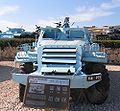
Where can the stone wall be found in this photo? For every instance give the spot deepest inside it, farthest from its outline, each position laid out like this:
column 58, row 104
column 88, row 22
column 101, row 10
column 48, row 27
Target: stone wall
column 113, row 55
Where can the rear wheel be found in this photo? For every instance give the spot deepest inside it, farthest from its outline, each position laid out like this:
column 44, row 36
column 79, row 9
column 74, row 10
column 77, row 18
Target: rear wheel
column 98, row 93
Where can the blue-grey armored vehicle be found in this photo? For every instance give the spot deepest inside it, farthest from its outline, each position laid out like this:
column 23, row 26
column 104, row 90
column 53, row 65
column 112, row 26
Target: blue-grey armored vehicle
column 12, row 32
column 65, row 52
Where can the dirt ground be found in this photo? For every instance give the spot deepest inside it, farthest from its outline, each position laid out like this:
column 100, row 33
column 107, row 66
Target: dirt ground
column 9, row 92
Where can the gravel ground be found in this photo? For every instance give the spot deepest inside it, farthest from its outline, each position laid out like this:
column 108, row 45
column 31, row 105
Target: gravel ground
column 9, row 92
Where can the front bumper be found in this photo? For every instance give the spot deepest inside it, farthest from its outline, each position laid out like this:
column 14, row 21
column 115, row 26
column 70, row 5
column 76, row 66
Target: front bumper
column 76, row 81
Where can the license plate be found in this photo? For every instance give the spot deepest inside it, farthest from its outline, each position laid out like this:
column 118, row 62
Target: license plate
column 94, row 77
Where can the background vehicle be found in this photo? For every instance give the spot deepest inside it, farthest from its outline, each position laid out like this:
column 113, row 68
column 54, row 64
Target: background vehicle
column 12, row 32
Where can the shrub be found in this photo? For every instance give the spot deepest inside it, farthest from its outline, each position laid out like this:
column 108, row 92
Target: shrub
column 8, row 53
column 109, row 43
column 14, row 42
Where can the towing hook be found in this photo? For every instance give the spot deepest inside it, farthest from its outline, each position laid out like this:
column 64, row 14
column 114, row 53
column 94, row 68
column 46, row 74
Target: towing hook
column 69, row 72
column 54, row 71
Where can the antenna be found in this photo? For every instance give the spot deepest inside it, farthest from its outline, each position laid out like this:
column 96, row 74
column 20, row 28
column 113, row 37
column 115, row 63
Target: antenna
column 72, row 23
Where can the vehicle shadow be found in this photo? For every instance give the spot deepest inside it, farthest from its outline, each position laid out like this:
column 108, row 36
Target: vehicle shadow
column 114, row 86
column 5, row 73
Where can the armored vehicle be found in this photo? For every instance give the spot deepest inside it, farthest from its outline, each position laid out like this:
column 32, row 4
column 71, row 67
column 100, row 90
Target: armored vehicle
column 65, row 52
column 12, row 32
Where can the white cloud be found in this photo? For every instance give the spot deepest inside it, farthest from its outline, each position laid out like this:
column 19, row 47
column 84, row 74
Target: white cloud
column 90, row 13
column 47, row 22
column 29, row 27
column 4, row 24
column 8, row 9
column 86, row 13
column 111, row 5
column 4, row 10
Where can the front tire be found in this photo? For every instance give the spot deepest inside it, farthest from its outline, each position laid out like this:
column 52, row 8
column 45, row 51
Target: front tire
column 27, row 67
column 98, row 93
column 21, row 92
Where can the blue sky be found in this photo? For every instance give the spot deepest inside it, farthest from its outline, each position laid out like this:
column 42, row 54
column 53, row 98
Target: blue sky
column 27, row 13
